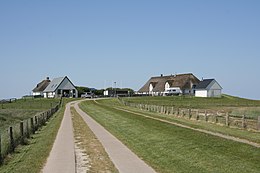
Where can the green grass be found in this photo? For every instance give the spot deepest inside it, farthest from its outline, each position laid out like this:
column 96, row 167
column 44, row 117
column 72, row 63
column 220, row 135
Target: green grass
column 168, row 148
column 31, row 157
column 235, row 105
column 12, row 113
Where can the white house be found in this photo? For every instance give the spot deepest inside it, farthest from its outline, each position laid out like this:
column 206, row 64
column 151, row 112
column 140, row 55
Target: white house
column 208, row 88
column 60, row 87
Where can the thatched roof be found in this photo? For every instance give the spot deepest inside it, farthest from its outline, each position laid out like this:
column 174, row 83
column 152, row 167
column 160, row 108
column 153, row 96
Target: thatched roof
column 40, row 87
column 184, row 81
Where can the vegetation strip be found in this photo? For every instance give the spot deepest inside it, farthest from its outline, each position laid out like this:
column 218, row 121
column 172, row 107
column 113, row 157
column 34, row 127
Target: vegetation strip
column 199, row 130
column 96, row 158
column 169, row 148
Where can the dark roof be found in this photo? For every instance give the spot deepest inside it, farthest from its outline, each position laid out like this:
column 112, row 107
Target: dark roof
column 184, row 81
column 40, row 87
column 204, row 83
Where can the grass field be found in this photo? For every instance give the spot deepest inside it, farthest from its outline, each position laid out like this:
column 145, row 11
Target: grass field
column 31, row 157
column 12, row 113
column 235, row 105
column 168, row 148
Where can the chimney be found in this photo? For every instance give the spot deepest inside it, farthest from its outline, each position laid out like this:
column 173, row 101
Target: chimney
column 161, row 75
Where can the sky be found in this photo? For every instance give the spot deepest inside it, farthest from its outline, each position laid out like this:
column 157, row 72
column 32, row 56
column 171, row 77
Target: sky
column 97, row 43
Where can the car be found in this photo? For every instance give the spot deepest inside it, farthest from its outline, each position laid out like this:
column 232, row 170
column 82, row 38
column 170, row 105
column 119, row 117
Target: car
column 172, row 91
column 87, row 95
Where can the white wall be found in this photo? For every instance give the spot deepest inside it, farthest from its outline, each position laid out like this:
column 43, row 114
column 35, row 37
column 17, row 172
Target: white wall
column 201, row 93
column 214, row 93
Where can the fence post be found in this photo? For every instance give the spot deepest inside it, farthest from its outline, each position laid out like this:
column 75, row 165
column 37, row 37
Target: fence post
column 22, row 132
column 36, row 123
column 27, row 129
column 1, row 158
column 32, row 126
column 197, row 115
column 216, row 118
column 206, row 116
column 258, row 123
column 12, row 146
column 243, row 122
column 189, row 113
column 178, row 111
column 227, row 119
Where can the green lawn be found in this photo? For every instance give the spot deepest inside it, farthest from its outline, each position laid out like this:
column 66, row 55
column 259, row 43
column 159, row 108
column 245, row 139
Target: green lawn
column 168, row 148
column 235, row 105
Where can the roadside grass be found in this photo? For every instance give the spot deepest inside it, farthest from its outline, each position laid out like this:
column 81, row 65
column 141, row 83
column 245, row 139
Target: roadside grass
column 168, row 148
column 234, row 105
column 12, row 113
column 236, row 132
column 99, row 161
column 32, row 157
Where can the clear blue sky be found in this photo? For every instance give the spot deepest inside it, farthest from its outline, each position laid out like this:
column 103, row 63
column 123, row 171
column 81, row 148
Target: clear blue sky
column 97, row 42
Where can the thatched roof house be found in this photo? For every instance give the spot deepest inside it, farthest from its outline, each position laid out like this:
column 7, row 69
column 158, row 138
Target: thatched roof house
column 186, row 83
column 40, row 87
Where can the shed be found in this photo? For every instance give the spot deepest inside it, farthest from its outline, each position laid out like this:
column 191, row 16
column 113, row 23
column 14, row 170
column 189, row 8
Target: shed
column 60, row 87
column 208, row 88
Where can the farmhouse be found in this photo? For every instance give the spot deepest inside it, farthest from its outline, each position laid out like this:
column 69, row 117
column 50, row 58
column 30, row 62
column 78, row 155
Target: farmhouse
column 180, row 84
column 208, row 88
column 40, row 87
column 60, row 87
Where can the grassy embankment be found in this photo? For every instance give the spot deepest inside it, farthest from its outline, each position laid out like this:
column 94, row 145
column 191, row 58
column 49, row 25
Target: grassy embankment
column 240, row 133
column 31, row 157
column 12, row 113
column 168, row 148
column 97, row 159
column 234, row 105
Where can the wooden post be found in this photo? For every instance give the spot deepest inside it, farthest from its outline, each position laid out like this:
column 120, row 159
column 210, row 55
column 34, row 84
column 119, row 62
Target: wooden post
column 258, row 126
column 36, row 123
column 178, row 111
column 197, row 115
column 189, row 113
column 206, row 116
column 22, row 132
column 227, row 119
column 243, row 122
column 32, row 126
column 216, row 118
column 12, row 146
column 1, row 158
column 27, row 129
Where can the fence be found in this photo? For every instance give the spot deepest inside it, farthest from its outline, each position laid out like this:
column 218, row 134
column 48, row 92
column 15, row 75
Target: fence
column 211, row 116
column 18, row 133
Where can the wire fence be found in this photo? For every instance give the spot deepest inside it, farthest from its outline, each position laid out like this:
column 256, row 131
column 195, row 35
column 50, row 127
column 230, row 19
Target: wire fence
column 211, row 116
column 20, row 132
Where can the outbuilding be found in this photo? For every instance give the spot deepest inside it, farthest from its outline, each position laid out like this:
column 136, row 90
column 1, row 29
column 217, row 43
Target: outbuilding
column 208, row 88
